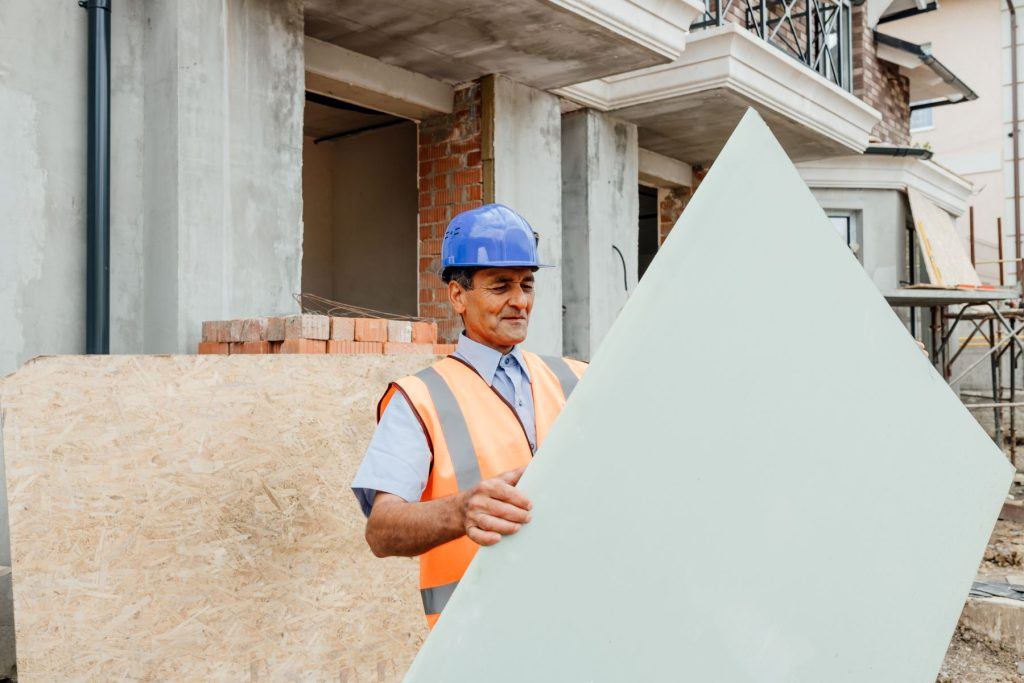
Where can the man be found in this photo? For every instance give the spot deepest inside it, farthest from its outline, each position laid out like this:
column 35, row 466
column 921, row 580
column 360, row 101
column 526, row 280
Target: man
column 438, row 478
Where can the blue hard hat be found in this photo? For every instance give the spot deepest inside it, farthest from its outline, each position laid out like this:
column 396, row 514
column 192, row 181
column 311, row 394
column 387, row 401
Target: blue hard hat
column 493, row 236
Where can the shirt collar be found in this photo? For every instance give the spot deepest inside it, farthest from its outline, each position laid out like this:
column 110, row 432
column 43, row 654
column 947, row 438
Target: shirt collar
column 485, row 360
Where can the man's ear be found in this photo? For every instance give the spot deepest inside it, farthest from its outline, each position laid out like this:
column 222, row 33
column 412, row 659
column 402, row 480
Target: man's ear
column 457, row 297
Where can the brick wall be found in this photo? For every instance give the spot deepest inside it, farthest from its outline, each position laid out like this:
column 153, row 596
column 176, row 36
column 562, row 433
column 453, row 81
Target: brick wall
column 880, row 85
column 671, row 202
column 450, row 181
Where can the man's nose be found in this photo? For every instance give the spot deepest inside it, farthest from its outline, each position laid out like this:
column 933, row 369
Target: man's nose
column 519, row 299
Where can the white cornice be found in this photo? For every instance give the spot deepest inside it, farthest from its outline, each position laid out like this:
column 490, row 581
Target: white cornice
column 730, row 57
column 658, row 25
column 879, row 172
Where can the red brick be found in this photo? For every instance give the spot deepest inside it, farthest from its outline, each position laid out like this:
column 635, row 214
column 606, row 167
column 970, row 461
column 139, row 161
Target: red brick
column 434, row 214
column 473, row 193
column 343, row 329
column 253, row 347
column 307, row 326
column 213, row 347
column 425, row 200
column 254, row 329
column 468, row 176
column 211, row 330
column 400, row 331
column 408, row 349
column 426, row 168
column 424, row 332
column 444, row 349
column 349, row 347
column 303, row 346
column 235, row 347
column 438, row 182
column 275, row 329
column 371, row 329
column 234, row 328
column 445, row 164
column 275, row 346
column 473, row 158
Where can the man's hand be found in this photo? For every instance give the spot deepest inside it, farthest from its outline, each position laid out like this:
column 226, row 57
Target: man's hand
column 486, row 512
column 494, row 508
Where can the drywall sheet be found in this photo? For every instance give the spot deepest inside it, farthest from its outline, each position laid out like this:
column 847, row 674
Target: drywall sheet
column 733, row 505
column 189, row 518
column 945, row 260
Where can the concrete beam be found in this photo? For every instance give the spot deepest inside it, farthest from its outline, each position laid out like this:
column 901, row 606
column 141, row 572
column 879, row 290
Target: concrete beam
column 658, row 170
column 353, row 77
column 600, row 225
column 522, row 158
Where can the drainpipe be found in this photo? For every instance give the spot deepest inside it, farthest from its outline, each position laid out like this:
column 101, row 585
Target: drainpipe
column 1016, row 136
column 97, row 263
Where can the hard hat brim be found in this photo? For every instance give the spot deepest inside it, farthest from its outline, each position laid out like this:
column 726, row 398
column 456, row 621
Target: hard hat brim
column 500, row 264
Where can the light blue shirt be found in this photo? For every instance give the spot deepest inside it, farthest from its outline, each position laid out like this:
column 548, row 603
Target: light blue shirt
column 397, row 461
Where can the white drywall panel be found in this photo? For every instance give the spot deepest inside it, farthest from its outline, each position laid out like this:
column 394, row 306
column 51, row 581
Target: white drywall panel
column 831, row 534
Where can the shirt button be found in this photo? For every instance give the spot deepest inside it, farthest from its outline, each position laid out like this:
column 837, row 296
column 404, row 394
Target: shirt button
column 520, row 403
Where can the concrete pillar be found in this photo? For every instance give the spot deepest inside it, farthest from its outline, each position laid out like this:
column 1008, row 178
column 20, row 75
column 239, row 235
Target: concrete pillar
column 522, row 168
column 223, row 174
column 600, row 207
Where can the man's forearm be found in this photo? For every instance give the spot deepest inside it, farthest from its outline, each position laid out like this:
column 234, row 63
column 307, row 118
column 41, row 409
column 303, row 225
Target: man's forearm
column 396, row 527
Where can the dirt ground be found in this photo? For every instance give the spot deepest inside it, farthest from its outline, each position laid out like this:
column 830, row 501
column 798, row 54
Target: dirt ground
column 972, row 657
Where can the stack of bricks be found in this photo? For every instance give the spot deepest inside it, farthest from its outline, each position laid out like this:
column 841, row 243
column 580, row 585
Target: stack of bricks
column 450, row 181
column 310, row 333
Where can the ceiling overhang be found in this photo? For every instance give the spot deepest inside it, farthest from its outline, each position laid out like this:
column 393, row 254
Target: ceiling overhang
column 879, row 172
column 541, row 43
column 931, row 81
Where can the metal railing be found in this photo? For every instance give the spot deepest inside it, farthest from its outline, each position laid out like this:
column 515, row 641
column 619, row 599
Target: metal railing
column 817, row 33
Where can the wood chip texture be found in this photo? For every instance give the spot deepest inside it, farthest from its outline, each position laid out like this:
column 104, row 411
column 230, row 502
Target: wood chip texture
column 190, row 518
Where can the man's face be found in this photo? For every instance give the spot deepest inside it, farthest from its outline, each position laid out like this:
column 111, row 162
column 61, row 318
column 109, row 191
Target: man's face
column 496, row 311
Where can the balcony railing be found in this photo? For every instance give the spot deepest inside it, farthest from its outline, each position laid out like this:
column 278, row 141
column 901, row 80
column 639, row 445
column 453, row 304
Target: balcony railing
column 817, row 33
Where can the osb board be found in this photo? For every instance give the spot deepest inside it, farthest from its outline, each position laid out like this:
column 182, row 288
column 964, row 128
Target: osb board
column 190, row 518
column 944, row 256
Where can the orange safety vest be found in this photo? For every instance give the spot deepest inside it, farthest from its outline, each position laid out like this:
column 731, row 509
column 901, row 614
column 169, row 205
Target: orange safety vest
column 473, row 434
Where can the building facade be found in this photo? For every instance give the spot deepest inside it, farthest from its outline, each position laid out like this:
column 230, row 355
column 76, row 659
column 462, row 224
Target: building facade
column 266, row 148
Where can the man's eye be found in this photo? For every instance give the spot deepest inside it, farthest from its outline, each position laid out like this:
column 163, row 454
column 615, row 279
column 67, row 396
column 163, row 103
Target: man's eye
column 527, row 288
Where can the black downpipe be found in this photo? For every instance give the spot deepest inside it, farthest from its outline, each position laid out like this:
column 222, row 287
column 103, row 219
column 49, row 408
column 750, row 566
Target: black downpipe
column 97, row 264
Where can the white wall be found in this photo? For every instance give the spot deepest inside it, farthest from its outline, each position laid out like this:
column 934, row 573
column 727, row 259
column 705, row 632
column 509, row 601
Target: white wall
column 600, row 211
column 527, row 177
column 360, row 215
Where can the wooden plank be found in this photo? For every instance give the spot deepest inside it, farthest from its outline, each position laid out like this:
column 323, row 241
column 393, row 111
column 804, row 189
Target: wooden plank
column 190, row 518
column 945, row 259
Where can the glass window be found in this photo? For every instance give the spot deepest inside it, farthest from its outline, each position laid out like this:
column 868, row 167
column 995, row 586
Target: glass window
column 922, row 119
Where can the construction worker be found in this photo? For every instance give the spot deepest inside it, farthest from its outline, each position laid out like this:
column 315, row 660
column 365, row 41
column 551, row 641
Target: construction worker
column 438, row 478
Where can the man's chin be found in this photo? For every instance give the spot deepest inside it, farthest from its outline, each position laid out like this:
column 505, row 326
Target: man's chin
column 513, row 334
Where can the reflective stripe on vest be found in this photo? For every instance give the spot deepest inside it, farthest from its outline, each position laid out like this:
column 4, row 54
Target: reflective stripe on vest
column 456, row 434
column 566, row 377
column 474, row 435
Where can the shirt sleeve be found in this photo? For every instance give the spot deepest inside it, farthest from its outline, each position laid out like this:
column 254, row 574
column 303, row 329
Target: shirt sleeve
column 397, row 461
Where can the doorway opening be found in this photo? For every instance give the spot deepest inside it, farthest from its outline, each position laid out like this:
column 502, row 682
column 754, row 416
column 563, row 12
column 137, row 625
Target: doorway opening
column 648, row 238
column 360, row 202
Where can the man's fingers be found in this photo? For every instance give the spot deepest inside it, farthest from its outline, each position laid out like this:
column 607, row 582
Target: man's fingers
column 502, row 510
column 504, row 492
column 512, row 476
column 481, row 537
column 486, row 522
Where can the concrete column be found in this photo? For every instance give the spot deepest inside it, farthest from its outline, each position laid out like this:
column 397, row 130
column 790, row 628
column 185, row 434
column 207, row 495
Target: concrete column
column 600, row 207
column 522, row 168
column 223, row 173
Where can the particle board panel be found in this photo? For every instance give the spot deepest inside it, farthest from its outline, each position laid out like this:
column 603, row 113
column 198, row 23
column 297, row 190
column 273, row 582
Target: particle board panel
column 190, row 518
column 945, row 259
column 823, row 523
